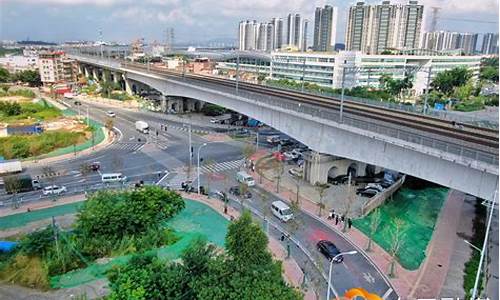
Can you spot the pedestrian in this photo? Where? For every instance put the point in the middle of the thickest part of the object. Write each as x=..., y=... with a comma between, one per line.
x=337, y=220
x=349, y=223
x=342, y=218
x=331, y=215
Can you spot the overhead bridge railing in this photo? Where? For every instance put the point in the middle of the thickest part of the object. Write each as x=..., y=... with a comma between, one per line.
x=464, y=154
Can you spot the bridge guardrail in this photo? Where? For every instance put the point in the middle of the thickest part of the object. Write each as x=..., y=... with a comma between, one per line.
x=467, y=154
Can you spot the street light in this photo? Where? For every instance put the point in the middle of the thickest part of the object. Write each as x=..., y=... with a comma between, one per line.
x=199, y=149
x=472, y=245
x=190, y=147
x=330, y=287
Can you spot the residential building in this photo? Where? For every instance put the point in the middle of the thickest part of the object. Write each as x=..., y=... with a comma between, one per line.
x=468, y=43
x=327, y=69
x=296, y=32
x=325, y=28
x=440, y=40
x=373, y=29
x=18, y=63
x=259, y=36
x=490, y=43
x=277, y=33
x=55, y=67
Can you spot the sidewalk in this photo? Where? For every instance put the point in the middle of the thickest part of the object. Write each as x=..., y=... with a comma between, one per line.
x=293, y=273
x=420, y=283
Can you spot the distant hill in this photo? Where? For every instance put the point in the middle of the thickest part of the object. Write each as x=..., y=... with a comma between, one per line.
x=40, y=43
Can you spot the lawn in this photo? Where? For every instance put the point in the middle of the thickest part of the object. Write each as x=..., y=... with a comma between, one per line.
x=419, y=211
x=24, y=146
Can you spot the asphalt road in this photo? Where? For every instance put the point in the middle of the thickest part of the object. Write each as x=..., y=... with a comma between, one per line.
x=155, y=158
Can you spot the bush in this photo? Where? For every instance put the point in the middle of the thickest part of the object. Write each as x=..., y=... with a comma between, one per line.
x=476, y=103
x=134, y=215
x=23, y=93
x=212, y=110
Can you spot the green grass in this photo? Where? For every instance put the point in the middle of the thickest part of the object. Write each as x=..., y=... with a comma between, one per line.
x=419, y=211
x=24, y=146
x=40, y=111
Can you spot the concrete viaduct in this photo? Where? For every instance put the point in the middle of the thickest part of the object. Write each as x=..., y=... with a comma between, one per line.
x=410, y=153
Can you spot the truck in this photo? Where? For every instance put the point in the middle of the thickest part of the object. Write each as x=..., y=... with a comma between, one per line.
x=10, y=166
x=223, y=119
x=142, y=126
x=20, y=184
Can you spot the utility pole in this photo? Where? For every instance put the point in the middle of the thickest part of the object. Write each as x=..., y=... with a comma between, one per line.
x=303, y=73
x=237, y=70
x=342, y=94
x=427, y=89
x=485, y=245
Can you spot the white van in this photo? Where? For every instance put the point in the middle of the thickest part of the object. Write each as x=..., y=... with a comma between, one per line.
x=281, y=211
x=245, y=178
x=113, y=177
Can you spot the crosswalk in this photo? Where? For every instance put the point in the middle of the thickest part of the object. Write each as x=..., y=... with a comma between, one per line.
x=180, y=175
x=221, y=166
x=127, y=146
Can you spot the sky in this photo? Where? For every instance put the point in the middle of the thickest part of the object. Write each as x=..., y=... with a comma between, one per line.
x=194, y=20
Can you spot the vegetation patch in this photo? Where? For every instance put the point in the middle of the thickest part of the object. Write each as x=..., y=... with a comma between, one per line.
x=472, y=265
x=24, y=146
x=109, y=223
x=407, y=220
x=15, y=112
x=245, y=271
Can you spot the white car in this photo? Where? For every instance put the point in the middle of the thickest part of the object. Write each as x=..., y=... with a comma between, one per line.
x=53, y=190
x=110, y=114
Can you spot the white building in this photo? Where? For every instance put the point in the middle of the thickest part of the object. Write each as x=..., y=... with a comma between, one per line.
x=375, y=28
x=55, y=67
x=364, y=69
x=18, y=63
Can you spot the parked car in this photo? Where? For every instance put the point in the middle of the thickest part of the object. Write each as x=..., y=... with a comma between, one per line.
x=110, y=114
x=53, y=190
x=289, y=156
x=385, y=184
x=329, y=250
x=295, y=172
x=76, y=102
x=375, y=186
x=217, y=195
x=235, y=190
x=367, y=192
x=341, y=179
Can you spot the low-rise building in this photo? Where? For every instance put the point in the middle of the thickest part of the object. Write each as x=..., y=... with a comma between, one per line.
x=18, y=63
x=358, y=69
x=55, y=67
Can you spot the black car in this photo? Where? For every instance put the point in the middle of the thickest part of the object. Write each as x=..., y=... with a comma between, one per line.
x=369, y=192
x=341, y=179
x=235, y=190
x=329, y=250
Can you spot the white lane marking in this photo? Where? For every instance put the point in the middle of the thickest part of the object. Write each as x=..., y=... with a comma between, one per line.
x=120, y=132
x=81, y=180
x=163, y=178
x=139, y=149
x=387, y=293
x=368, y=277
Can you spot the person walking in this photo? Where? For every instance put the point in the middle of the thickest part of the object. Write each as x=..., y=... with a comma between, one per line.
x=342, y=218
x=337, y=220
x=349, y=223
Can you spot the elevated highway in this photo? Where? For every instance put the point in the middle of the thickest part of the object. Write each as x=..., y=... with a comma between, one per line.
x=459, y=156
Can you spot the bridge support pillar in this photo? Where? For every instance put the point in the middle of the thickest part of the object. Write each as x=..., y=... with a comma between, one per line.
x=128, y=85
x=86, y=72
x=94, y=74
x=115, y=77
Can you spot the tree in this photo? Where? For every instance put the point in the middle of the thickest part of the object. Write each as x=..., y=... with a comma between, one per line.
x=374, y=224
x=4, y=75
x=397, y=240
x=348, y=200
x=31, y=77
x=464, y=92
x=109, y=124
x=321, y=188
x=446, y=81
x=489, y=73
x=278, y=169
x=13, y=184
x=248, y=151
x=246, y=242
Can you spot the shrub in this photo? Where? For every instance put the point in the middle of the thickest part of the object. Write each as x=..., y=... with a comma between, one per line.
x=212, y=110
